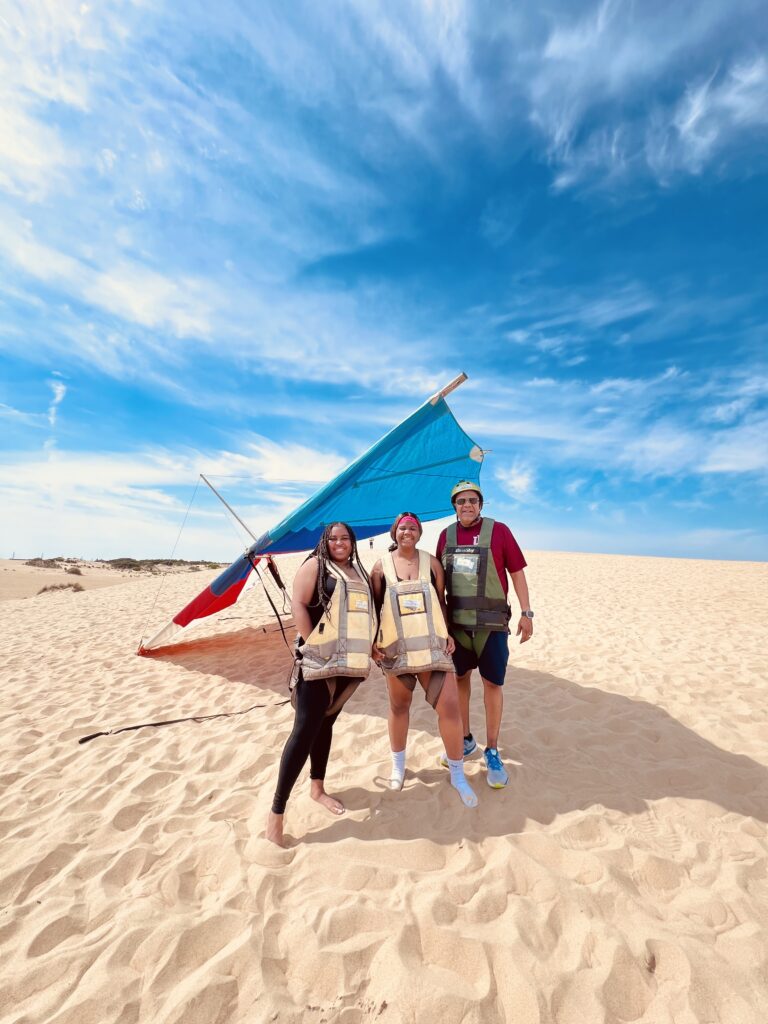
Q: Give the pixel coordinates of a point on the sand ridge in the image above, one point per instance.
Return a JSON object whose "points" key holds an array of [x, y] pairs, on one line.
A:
{"points": [[621, 876]]}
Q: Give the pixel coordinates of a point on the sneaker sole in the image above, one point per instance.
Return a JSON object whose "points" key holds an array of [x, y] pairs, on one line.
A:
{"points": [[497, 785]]}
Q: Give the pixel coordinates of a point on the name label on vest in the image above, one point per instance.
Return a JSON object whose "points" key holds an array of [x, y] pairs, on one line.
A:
{"points": [[411, 604], [357, 602], [468, 565]]}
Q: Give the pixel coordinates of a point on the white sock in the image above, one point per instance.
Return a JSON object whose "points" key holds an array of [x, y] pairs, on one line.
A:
{"points": [[460, 784], [398, 769]]}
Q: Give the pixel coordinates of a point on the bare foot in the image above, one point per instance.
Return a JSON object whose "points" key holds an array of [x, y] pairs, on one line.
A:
{"points": [[317, 792], [274, 832]]}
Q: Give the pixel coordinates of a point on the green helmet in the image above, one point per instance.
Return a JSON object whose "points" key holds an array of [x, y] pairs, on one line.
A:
{"points": [[466, 485]]}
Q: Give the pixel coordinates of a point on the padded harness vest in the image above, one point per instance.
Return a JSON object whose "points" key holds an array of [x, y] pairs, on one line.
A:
{"points": [[412, 633], [476, 599], [340, 643]]}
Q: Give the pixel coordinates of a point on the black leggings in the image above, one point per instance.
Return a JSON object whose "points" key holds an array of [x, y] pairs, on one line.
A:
{"points": [[311, 738]]}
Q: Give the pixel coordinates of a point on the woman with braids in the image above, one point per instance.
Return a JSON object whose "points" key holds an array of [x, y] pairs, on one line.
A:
{"points": [[413, 643], [334, 616]]}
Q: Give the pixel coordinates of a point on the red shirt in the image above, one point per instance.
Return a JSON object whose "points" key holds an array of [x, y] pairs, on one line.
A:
{"points": [[507, 556]]}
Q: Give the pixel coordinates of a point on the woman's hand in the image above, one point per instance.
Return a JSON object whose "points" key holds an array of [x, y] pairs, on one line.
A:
{"points": [[450, 645], [377, 654]]}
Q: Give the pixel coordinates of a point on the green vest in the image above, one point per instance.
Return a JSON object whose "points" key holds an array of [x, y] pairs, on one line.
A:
{"points": [[476, 599]]}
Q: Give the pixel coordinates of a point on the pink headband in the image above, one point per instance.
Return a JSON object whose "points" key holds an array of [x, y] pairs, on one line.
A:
{"points": [[408, 519]]}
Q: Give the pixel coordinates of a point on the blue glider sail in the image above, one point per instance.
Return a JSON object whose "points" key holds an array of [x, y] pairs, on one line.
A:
{"points": [[412, 468]]}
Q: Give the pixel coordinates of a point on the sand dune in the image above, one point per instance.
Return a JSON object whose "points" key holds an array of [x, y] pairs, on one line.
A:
{"points": [[621, 876], [19, 579]]}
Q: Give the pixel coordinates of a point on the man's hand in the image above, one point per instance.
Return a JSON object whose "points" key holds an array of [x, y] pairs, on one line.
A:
{"points": [[524, 629], [450, 645], [377, 654]]}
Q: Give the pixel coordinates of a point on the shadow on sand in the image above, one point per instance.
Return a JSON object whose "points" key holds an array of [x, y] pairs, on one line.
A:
{"points": [[568, 747], [251, 655]]}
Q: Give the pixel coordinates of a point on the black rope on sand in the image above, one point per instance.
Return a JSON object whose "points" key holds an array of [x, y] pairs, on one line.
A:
{"points": [[176, 721]]}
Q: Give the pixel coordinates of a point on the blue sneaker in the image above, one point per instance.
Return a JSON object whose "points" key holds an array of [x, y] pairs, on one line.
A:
{"points": [[470, 746], [497, 777]]}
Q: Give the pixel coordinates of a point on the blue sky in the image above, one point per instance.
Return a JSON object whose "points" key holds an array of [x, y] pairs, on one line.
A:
{"points": [[247, 239]]}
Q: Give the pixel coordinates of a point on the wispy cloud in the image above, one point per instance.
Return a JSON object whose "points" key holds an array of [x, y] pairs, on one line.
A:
{"points": [[29, 419], [59, 390], [154, 485], [128, 290], [711, 115], [640, 425], [516, 480], [609, 57], [740, 449]]}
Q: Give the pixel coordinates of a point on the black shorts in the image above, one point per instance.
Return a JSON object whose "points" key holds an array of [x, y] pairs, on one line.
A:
{"points": [[492, 660]]}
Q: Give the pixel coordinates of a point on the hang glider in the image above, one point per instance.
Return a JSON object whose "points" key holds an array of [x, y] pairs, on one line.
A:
{"points": [[412, 467]]}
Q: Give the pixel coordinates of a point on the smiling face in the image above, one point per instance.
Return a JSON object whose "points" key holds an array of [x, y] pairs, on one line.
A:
{"points": [[468, 505], [407, 533], [340, 544]]}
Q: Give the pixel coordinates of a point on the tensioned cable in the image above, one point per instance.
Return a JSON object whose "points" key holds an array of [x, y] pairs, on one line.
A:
{"points": [[162, 579], [196, 718]]}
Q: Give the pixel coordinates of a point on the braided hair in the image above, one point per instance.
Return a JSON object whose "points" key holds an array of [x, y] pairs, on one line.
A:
{"points": [[322, 553], [394, 526]]}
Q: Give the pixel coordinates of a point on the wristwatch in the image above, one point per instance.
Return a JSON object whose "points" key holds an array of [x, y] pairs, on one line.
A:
{"points": [[526, 615]]}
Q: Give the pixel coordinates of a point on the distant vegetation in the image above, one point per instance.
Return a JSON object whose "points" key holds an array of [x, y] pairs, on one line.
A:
{"points": [[124, 564], [153, 564], [61, 586]]}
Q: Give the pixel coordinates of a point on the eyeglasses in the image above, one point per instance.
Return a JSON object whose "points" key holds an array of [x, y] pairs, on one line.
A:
{"points": [[467, 501]]}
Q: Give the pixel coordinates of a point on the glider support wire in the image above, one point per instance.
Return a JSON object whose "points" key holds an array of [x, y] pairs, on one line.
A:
{"points": [[162, 581]]}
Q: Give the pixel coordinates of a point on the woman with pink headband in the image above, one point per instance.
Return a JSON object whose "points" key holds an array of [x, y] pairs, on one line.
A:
{"points": [[413, 643]]}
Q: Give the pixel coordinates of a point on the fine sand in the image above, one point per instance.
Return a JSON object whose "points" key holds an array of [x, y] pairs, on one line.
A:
{"points": [[621, 876]]}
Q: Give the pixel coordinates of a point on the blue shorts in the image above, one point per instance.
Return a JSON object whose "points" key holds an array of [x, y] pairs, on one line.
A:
{"points": [[492, 661]]}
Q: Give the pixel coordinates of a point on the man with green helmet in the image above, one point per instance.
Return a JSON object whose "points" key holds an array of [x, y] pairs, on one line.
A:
{"points": [[477, 554]]}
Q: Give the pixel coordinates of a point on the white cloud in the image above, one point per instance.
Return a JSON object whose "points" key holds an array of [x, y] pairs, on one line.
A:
{"points": [[517, 480], [30, 419], [44, 65], [592, 88], [647, 427], [31, 154], [270, 462], [150, 489], [711, 115], [727, 412], [135, 293], [741, 449], [59, 391], [574, 486], [663, 448]]}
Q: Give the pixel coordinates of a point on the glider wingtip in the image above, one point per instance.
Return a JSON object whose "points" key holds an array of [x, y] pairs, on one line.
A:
{"points": [[451, 386]]}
